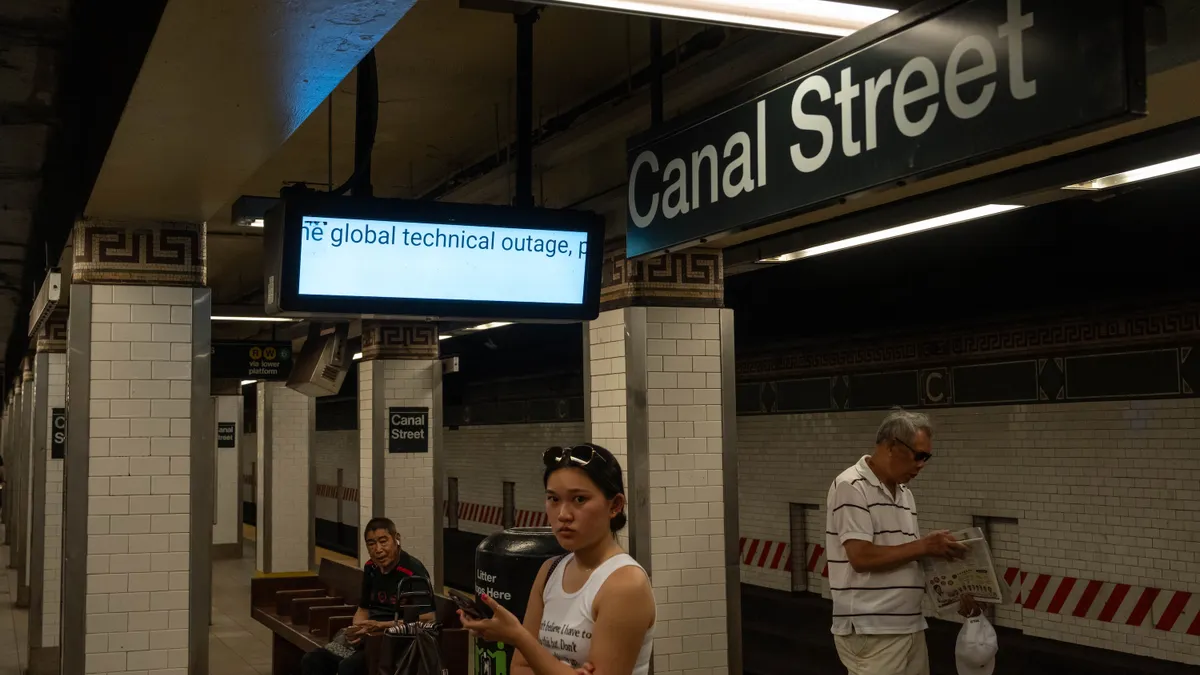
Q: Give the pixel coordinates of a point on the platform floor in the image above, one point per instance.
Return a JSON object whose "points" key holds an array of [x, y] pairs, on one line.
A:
{"points": [[14, 623], [238, 645]]}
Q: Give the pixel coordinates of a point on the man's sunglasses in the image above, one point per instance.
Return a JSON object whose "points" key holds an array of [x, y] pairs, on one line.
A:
{"points": [[917, 455], [578, 455]]}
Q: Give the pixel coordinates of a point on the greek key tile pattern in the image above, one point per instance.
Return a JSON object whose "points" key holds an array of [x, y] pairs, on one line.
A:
{"points": [[399, 340], [143, 253], [52, 336], [690, 278], [1068, 335]]}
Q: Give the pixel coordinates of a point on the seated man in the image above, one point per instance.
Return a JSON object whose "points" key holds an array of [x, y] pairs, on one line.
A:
{"points": [[377, 608]]}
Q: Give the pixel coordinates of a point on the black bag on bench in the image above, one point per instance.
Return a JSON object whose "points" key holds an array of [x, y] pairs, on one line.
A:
{"points": [[411, 647]]}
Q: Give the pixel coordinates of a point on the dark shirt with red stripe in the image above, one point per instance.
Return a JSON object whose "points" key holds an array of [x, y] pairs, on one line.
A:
{"points": [[379, 588]]}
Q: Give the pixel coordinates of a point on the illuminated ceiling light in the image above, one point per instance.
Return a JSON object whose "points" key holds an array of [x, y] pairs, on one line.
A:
{"points": [[898, 231], [1136, 175], [246, 382], [249, 211], [820, 17], [474, 329], [278, 319], [357, 356]]}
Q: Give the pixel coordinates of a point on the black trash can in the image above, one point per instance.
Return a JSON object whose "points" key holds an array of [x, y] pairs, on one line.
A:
{"points": [[506, 565]]}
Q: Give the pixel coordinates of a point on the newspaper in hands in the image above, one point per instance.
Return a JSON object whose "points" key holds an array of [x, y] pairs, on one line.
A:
{"points": [[975, 573]]}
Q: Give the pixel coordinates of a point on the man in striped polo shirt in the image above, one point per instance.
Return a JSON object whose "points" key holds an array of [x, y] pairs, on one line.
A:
{"points": [[874, 547]]}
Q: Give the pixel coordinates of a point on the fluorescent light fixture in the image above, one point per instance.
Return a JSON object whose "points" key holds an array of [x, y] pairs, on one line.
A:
{"points": [[277, 319], [246, 382], [474, 329], [1135, 175], [249, 211], [357, 356], [821, 17], [898, 231]]}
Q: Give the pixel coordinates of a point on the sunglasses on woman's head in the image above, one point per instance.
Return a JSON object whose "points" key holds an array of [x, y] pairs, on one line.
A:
{"points": [[579, 455]]}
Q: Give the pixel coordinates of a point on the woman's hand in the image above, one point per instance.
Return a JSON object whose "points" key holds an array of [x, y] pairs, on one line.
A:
{"points": [[502, 627]]}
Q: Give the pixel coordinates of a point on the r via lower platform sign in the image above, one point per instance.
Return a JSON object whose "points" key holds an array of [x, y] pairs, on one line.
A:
{"points": [[408, 430], [267, 361]]}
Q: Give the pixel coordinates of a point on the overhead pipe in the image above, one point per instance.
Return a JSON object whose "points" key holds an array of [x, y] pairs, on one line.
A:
{"points": [[524, 191], [366, 123], [704, 41], [656, 73]]}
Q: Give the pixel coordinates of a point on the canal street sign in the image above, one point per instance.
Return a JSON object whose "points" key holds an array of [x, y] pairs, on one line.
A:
{"points": [[408, 429], [58, 433], [962, 82]]}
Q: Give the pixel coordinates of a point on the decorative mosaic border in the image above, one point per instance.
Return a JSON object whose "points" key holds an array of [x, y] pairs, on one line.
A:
{"points": [[399, 340], [52, 336], [146, 253], [1047, 337], [689, 278], [1102, 601]]}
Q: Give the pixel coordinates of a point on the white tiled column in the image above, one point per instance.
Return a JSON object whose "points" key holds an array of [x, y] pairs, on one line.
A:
{"points": [[50, 388], [52, 557], [11, 489], [25, 509], [5, 428], [286, 534], [137, 522], [400, 368], [660, 402], [227, 528]]}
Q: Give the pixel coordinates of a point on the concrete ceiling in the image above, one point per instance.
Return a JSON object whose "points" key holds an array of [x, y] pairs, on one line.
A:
{"points": [[444, 108], [224, 84], [233, 99], [447, 104], [32, 34]]}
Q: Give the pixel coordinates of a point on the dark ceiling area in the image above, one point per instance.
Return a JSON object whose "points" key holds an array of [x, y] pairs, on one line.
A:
{"points": [[1076, 256], [97, 62], [1124, 249]]}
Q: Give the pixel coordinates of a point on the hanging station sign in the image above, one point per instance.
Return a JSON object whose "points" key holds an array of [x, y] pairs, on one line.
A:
{"points": [[962, 82], [350, 256], [226, 434], [408, 429], [58, 433], [266, 361]]}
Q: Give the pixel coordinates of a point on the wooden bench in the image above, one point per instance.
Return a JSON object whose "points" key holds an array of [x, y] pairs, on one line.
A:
{"points": [[304, 612]]}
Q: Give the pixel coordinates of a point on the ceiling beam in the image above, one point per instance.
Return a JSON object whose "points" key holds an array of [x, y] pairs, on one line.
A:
{"points": [[613, 118], [225, 83]]}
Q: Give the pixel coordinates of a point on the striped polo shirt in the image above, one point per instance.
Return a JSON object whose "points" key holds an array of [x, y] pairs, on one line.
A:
{"points": [[859, 506]]}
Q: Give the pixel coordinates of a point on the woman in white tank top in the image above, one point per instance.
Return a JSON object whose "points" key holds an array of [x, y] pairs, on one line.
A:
{"points": [[590, 612]]}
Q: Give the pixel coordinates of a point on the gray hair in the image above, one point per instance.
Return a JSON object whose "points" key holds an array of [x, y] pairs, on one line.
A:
{"points": [[903, 425]]}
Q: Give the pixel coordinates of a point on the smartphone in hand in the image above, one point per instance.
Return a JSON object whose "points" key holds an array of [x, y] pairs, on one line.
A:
{"points": [[471, 605]]}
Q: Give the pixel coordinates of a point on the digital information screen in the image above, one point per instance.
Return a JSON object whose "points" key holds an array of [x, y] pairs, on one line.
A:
{"points": [[440, 261], [334, 256]]}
